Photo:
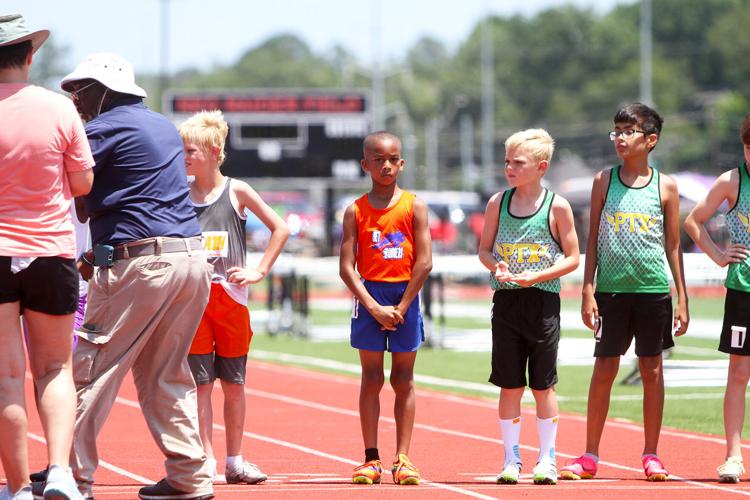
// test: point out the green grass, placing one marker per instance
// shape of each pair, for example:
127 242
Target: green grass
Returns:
700 307
701 413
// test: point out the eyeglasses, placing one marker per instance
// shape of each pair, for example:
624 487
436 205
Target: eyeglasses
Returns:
74 93
627 134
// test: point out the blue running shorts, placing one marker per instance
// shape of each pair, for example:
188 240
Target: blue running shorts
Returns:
366 332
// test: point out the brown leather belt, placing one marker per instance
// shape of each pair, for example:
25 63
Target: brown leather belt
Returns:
156 246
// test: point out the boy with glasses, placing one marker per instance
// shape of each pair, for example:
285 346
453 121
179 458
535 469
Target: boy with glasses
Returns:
634 225
732 187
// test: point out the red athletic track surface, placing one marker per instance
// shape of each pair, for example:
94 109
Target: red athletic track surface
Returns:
302 429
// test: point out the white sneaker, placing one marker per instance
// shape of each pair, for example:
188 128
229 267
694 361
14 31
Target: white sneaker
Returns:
22 494
245 473
61 485
731 470
509 475
545 473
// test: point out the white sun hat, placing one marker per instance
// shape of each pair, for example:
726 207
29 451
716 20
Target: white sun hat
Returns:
111 70
13 30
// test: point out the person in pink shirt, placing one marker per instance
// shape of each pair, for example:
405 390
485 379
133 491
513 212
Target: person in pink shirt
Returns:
45 161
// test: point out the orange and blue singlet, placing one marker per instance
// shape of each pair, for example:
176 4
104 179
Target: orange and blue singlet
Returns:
385 257
385 239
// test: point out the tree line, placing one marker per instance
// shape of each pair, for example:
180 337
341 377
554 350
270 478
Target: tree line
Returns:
566 69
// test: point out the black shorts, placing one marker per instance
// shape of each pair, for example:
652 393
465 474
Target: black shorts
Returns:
525 329
736 322
645 316
49 285
208 367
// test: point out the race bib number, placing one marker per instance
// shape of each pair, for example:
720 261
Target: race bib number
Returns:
216 243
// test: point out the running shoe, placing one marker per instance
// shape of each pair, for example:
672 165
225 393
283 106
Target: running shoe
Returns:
509 475
244 473
368 473
22 494
654 469
39 476
61 485
583 467
404 472
165 491
545 472
731 470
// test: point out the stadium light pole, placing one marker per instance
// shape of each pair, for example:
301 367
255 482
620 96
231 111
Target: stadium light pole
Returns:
488 99
646 53
163 48
468 167
378 79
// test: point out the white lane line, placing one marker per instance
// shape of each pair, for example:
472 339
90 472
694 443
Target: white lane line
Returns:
619 423
106 465
103 463
466 435
318 453
348 461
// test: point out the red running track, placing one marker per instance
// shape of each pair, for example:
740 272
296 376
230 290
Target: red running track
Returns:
302 429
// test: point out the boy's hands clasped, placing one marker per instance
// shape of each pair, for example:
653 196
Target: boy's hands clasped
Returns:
524 279
389 317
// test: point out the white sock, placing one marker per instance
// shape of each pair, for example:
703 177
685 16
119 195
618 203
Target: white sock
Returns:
547 430
510 431
234 462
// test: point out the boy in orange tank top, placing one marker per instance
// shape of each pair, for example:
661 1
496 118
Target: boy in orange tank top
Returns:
386 255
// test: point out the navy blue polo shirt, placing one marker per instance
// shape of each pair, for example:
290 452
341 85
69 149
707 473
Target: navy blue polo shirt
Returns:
140 187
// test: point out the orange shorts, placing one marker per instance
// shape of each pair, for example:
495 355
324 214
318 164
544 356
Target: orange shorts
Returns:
224 327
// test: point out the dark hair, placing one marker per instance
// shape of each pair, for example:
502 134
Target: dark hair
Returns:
380 135
14 56
745 130
640 114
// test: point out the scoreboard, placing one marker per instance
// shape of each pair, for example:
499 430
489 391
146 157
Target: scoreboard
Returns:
284 133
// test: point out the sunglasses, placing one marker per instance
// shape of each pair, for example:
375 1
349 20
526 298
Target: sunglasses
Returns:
74 93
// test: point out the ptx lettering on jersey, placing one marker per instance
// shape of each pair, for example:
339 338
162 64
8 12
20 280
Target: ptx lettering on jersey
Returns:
630 221
522 252
745 220
389 244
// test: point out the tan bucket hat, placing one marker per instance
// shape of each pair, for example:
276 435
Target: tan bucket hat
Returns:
13 30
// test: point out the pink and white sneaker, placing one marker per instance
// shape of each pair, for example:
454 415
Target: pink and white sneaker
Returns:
654 469
583 467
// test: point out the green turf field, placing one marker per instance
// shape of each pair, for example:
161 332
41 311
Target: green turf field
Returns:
697 409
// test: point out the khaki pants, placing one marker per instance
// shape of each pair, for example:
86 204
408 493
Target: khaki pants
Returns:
142 314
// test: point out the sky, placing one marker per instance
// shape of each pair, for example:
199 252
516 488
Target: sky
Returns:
204 34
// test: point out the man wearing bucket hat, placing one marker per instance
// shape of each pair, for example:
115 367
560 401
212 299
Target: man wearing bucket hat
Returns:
45 160
150 279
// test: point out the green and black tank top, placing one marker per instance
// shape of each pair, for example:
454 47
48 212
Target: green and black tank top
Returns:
738 222
630 248
526 243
